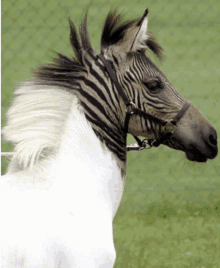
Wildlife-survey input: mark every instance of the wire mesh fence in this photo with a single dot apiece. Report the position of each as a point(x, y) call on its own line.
point(160, 185)
point(29, 29)
point(33, 30)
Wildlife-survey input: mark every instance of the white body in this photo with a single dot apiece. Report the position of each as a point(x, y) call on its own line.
point(60, 212)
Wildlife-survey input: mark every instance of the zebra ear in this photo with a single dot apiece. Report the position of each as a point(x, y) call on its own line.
point(141, 36)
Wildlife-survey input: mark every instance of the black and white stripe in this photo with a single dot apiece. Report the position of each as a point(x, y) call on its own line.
point(86, 76)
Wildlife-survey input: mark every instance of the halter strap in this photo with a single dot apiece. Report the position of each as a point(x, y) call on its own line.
point(181, 112)
point(131, 107)
point(113, 76)
point(168, 127)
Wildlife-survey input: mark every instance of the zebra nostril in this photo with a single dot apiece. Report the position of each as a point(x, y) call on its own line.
point(213, 138)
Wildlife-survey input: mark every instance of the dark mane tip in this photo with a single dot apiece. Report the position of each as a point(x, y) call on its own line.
point(63, 70)
point(84, 35)
point(154, 46)
point(75, 41)
point(113, 29)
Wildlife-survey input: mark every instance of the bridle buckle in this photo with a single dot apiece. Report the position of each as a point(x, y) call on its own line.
point(145, 145)
point(169, 127)
point(139, 146)
point(131, 107)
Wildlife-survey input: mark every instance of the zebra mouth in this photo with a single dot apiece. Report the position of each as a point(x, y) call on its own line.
point(192, 154)
point(196, 156)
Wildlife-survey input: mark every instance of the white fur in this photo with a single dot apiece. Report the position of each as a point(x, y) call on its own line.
point(58, 210)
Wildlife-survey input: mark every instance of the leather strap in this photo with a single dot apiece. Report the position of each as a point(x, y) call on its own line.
point(168, 126)
point(181, 112)
point(127, 102)
point(113, 76)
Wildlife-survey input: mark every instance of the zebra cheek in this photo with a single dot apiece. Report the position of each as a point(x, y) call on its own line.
point(135, 127)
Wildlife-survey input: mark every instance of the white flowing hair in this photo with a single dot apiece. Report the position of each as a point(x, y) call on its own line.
point(35, 122)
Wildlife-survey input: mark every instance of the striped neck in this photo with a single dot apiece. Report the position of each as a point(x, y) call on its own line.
point(103, 107)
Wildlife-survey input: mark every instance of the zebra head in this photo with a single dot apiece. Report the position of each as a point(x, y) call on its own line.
point(124, 46)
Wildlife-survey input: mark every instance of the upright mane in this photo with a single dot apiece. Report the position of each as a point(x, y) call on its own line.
point(114, 30)
point(64, 70)
point(39, 110)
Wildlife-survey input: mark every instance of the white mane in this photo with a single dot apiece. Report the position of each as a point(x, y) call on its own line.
point(72, 193)
point(35, 122)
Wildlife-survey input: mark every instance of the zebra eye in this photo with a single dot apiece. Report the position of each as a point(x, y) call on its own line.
point(153, 85)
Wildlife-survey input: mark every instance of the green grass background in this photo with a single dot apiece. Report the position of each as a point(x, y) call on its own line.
point(170, 212)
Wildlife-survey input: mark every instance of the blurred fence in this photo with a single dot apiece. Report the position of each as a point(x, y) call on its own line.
point(29, 29)
point(33, 30)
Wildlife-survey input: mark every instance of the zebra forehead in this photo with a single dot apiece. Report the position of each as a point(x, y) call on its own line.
point(146, 67)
